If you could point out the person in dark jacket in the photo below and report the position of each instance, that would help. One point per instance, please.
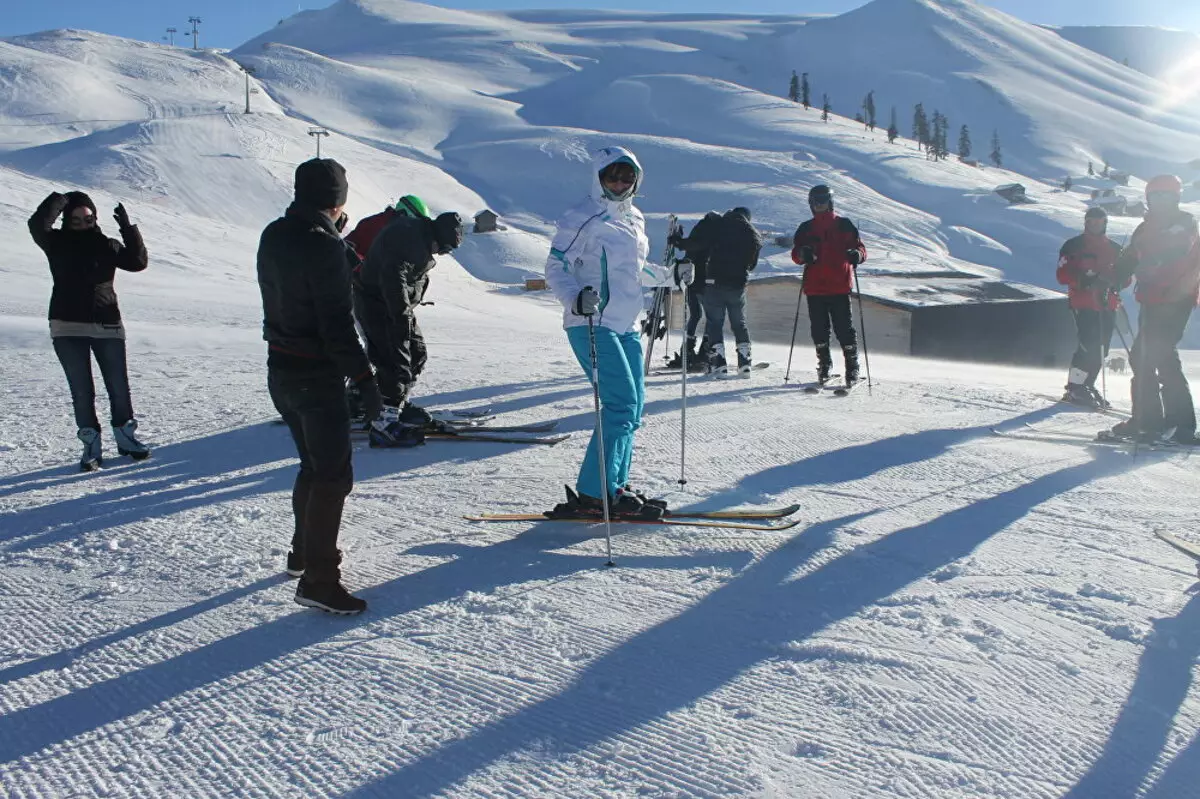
(1087, 266)
(733, 251)
(830, 249)
(312, 349)
(1164, 255)
(390, 285)
(84, 317)
(364, 233)
(698, 246)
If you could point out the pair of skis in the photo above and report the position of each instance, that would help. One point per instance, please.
(737, 519)
(473, 425)
(838, 389)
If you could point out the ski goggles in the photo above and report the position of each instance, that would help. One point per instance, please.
(619, 172)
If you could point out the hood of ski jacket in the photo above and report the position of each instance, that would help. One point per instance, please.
(1094, 253)
(1164, 253)
(830, 236)
(602, 243)
(83, 264)
(304, 275)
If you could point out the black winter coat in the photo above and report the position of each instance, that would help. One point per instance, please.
(304, 275)
(698, 246)
(396, 270)
(734, 252)
(83, 264)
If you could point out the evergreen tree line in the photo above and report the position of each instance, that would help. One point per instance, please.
(930, 133)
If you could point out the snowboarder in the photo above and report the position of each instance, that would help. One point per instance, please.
(733, 246)
(1087, 266)
(698, 247)
(84, 317)
(387, 290)
(312, 349)
(830, 249)
(597, 268)
(1164, 255)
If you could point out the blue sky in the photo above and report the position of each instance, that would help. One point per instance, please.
(228, 23)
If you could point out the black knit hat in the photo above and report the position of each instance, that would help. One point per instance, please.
(321, 183)
(820, 194)
(1096, 212)
(77, 199)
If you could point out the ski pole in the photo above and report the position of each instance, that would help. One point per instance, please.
(600, 439)
(683, 361)
(862, 322)
(795, 325)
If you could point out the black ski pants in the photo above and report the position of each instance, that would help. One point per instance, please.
(695, 311)
(313, 404)
(1161, 396)
(1095, 330)
(831, 310)
(75, 354)
(395, 346)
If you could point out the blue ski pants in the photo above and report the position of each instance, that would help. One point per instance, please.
(622, 398)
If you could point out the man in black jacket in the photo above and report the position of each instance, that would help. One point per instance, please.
(387, 290)
(698, 246)
(304, 274)
(732, 256)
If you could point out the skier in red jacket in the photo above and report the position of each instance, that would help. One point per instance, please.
(364, 233)
(829, 248)
(1164, 255)
(1087, 265)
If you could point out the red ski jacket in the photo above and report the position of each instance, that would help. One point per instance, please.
(364, 233)
(1095, 253)
(1164, 253)
(829, 236)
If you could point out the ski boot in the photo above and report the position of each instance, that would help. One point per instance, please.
(624, 504)
(389, 432)
(676, 361)
(850, 353)
(658, 503)
(92, 458)
(1101, 402)
(1080, 395)
(824, 363)
(415, 415)
(716, 361)
(745, 364)
(127, 443)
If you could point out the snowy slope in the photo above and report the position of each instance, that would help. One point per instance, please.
(957, 613)
(1169, 55)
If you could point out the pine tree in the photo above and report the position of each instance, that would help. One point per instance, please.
(1105, 172)
(1067, 183)
(893, 131)
(869, 109)
(825, 108)
(964, 143)
(996, 156)
(920, 126)
(794, 88)
(1091, 170)
(805, 95)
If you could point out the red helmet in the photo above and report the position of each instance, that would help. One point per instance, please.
(1164, 183)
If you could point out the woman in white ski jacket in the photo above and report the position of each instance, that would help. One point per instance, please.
(597, 267)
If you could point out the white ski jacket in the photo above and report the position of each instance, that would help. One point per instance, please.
(602, 243)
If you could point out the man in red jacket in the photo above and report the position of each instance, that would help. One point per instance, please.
(1164, 254)
(364, 233)
(1087, 265)
(829, 248)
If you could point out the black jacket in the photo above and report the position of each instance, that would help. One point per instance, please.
(734, 252)
(698, 246)
(83, 264)
(304, 275)
(396, 270)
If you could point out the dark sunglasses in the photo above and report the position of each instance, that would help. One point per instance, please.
(619, 173)
(83, 219)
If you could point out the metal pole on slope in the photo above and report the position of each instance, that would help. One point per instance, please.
(683, 363)
(795, 324)
(317, 133)
(195, 32)
(249, 71)
(862, 322)
(600, 439)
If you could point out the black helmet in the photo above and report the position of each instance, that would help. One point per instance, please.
(448, 232)
(820, 194)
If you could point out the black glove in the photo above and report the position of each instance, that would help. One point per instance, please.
(675, 239)
(1088, 279)
(372, 402)
(807, 255)
(122, 217)
(854, 256)
(58, 201)
(586, 303)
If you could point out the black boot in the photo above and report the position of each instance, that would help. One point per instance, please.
(330, 597)
(658, 503)
(850, 353)
(824, 363)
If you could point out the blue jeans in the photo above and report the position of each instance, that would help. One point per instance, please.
(622, 397)
(719, 300)
(75, 355)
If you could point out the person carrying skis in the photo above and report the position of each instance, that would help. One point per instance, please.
(733, 250)
(597, 268)
(830, 249)
(387, 290)
(84, 317)
(1087, 266)
(697, 245)
(312, 349)
(1164, 255)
